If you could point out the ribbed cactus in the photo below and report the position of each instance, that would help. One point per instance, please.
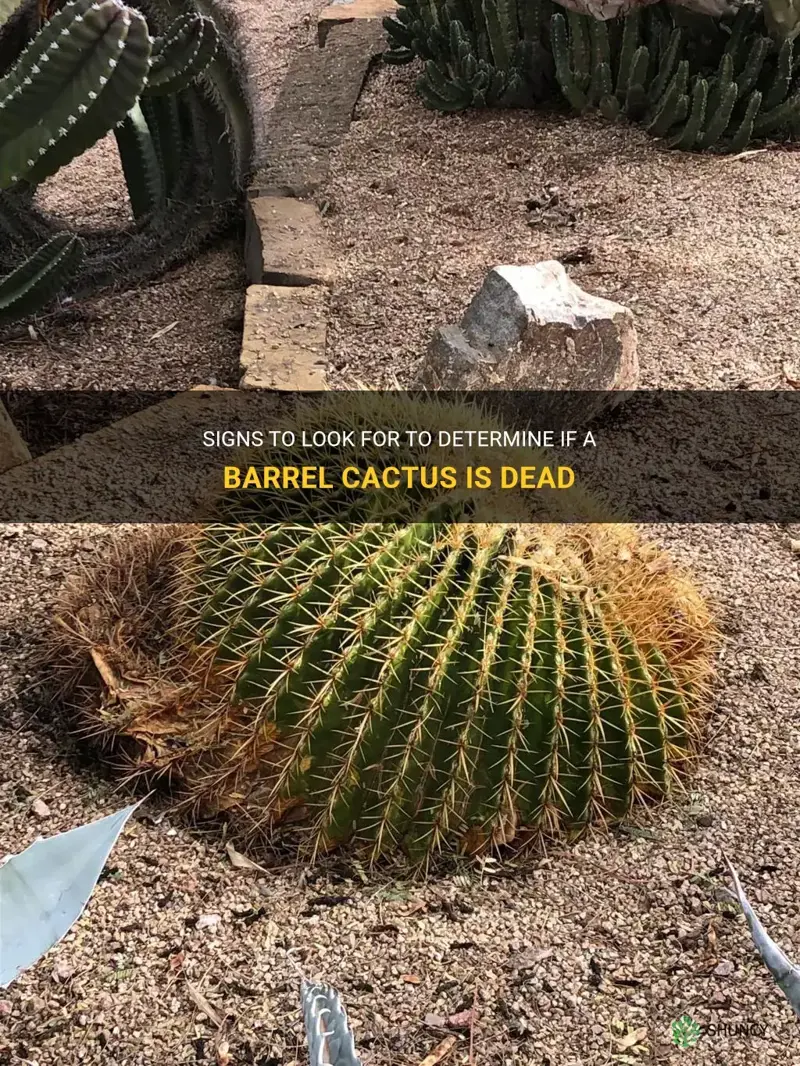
(75, 81)
(753, 92)
(150, 135)
(420, 687)
(184, 148)
(477, 53)
(41, 277)
(697, 83)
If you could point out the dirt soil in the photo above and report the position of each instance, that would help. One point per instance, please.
(420, 205)
(584, 956)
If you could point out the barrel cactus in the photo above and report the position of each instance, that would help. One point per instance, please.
(415, 687)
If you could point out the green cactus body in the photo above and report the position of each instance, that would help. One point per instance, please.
(422, 687)
(98, 57)
(572, 91)
(687, 137)
(39, 279)
(181, 55)
(141, 165)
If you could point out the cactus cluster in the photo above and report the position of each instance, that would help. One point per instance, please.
(477, 53)
(698, 83)
(183, 143)
(646, 76)
(400, 687)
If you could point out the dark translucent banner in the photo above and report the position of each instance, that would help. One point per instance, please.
(368, 456)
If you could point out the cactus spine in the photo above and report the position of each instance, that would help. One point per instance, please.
(419, 687)
(36, 281)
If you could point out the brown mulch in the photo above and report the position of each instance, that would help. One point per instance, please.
(420, 205)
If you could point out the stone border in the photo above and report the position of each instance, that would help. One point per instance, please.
(288, 261)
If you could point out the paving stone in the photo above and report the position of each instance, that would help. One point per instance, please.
(341, 11)
(314, 109)
(283, 346)
(285, 243)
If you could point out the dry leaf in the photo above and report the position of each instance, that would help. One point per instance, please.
(241, 862)
(465, 1019)
(440, 1052)
(202, 1004)
(632, 1038)
(176, 962)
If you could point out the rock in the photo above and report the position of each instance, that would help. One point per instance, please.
(531, 327)
(285, 243)
(283, 343)
(341, 11)
(40, 809)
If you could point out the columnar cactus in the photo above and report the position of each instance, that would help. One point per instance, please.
(36, 281)
(698, 83)
(425, 686)
(75, 81)
(184, 149)
(753, 92)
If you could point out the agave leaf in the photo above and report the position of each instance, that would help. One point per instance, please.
(786, 974)
(45, 888)
(330, 1041)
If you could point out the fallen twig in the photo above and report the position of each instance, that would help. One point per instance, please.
(440, 1052)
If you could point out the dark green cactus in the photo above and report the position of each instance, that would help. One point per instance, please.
(149, 136)
(652, 83)
(476, 53)
(41, 277)
(181, 55)
(73, 83)
(698, 83)
(181, 119)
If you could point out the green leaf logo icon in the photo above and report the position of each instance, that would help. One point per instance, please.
(685, 1031)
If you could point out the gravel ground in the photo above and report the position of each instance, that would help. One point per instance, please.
(185, 328)
(703, 249)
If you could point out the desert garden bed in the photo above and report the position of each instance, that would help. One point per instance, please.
(421, 204)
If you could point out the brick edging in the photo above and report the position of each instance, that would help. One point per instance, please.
(288, 260)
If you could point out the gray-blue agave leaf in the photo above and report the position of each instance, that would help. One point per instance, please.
(330, 1041)
(45, 888)
(786, 974)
